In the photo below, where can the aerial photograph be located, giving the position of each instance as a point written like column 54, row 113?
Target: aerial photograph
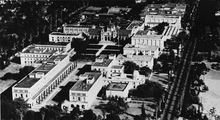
column 109, row 59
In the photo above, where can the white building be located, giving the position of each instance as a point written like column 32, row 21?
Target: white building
column 84, row 91
column 148, row 38
column 63, row 37
column 141, row 60
column 134, row 80
column 135, row 26
column 37, row 85
column 141, row 49
column 75, row 29
column 118, row 89
column 33, row 53
column 154, row 14
column 104, row 65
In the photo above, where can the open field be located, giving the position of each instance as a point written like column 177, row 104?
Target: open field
column 13, row 68
column 211, row 98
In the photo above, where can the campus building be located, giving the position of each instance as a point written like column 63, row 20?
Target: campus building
column 104, row 65
column 141, row 60
column 153, row 14
column 84, row 91
column 134, row 79
column 37, row 52
column 64, row 37
column 148, row 38
column 141, row 50
column 118, row 89
column 75, row 29
column 40, row 83
column 170, row 31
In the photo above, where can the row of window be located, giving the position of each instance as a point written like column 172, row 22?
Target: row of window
column 21, row 95
column 80, row 99
column 21, row 91
column 78, row 94
column 36, row 55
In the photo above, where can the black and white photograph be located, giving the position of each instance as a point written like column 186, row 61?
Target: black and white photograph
column 109, row 59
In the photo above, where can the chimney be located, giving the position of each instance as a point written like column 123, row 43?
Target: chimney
column 39, row 75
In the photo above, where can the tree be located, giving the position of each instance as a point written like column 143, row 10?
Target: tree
column 112, row 117
column 130, row 66
column 89, row 115
column 30, row 115
column 149, row 89
column 145, row 71
column 160, row 27
column 79, row 45
column 20, row 106
column 116, row 105
column 51, row 112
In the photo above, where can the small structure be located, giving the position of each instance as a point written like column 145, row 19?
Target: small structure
column 118, row 89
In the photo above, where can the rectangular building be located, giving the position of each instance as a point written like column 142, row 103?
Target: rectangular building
column 141, row 50
column 118, row 89
column 63, row 37
column 84, row 91
column 37, row 85
column 36, row 52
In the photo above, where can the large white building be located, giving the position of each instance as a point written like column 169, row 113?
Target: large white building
column 141, row 60
column 37, row 85
column 63, row 37
column 104, row 65
column 154, row 14
column 141, row 49
column 34, row 53
column 75, row 29
column 84, row 91
column 148, row 38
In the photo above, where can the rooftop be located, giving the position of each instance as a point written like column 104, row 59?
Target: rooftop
column 28, row 81
column 122, row 32
column 142, row 32
column 117, row 67
column 81, row 85
column 92, row 31
column 115, row 86
column 117, row 10
column 94, row 9
column 134, row 24
column 43, row 49
column 135, row 57
column 61, row 33
column 105, row 63
column 146, row 47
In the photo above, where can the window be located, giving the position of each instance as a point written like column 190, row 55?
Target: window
column 21, row 95
column 79, row 99
column 26, row 96
column 16, row 95
column 83, row 106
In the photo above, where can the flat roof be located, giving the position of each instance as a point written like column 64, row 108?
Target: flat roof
column 105, row 63
column 146, row 47
column 81, row 85
column 117, row 66
column 92, row 8
column 116, row 86
column 133, row 24
column 142, row 32
column 28, row 82
column 37, row 48
column 61, row 33
column 135, row 57
column 149, row 36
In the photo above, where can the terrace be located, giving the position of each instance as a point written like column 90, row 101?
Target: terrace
column 81, row 85
column 105, row 63
column 117, row 86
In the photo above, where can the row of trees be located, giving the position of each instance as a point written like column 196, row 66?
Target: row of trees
column 130, row 66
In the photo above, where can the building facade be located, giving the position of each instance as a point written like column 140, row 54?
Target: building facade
column 84, row 91
column 37, row 85
column 63, row 37
column 141, row 60
column 141, row 50
column 147, row 38
column 33, row 53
